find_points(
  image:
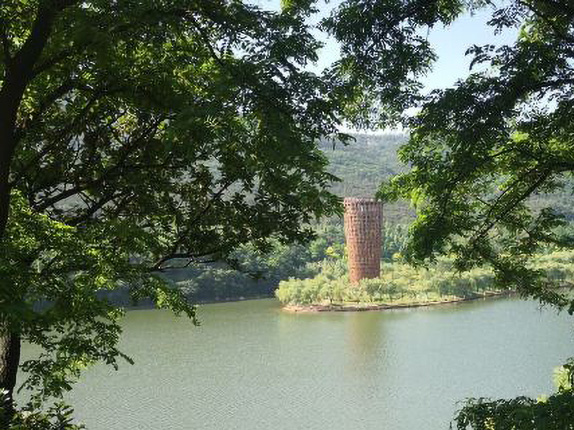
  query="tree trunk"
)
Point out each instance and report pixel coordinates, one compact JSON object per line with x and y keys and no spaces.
{"x":9,"y":361}
{"x":9,"y":342}
{"x":6,"y":155}
{"x":18,"y":74}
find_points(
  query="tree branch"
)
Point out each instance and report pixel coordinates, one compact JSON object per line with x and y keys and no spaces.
{"x":91,"y":210}
{"x":548,"y":21}
{"x":157,"y":265}
{"x":106,"y":175}
{"x":488,"y":225}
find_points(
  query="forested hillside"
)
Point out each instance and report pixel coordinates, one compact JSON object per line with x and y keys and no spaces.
{"x":372,"y":158}
{"x":364,"y":164}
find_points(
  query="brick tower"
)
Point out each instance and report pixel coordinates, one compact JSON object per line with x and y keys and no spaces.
{"x":363,"y":237}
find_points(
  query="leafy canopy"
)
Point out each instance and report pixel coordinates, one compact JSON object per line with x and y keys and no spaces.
{"x":141,"y":132}
{"x":145,"y":133}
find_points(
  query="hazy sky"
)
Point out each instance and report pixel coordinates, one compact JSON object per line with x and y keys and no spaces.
{"x":449,"y":43}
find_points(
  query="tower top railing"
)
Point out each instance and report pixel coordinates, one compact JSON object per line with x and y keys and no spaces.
{"x":360,"y":200}
{"x":361,"y":204}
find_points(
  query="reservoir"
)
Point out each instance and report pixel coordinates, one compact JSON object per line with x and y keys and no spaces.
{"x":252,"y":366}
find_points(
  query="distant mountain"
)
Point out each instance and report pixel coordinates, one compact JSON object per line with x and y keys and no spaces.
{"x":363,"y":164}
{"x":372,"y":158}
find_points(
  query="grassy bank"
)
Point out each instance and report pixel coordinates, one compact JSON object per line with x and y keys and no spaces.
{"x":403,"y":285}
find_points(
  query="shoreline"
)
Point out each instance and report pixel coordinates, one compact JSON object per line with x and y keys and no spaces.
{"x":386,"y":306}
{"x":146,"y":306}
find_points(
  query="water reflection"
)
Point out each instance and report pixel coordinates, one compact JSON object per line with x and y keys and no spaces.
{"x":364,"y":334}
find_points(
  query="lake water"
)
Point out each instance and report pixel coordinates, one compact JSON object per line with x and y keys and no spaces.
{"x":252,"y":366}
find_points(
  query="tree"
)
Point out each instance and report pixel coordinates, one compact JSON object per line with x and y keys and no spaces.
{"x":136,"y":134}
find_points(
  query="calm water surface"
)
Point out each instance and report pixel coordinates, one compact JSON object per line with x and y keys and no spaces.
{"x":252,"y":366}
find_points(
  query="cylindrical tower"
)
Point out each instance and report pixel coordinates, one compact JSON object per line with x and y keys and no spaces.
{"x":363,"y":237}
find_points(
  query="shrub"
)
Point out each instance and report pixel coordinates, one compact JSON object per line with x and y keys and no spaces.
{"x":399,"y":281}
{"x":56,"y":417}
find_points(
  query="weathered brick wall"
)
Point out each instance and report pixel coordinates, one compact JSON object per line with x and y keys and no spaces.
{"x":363,"y":237}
